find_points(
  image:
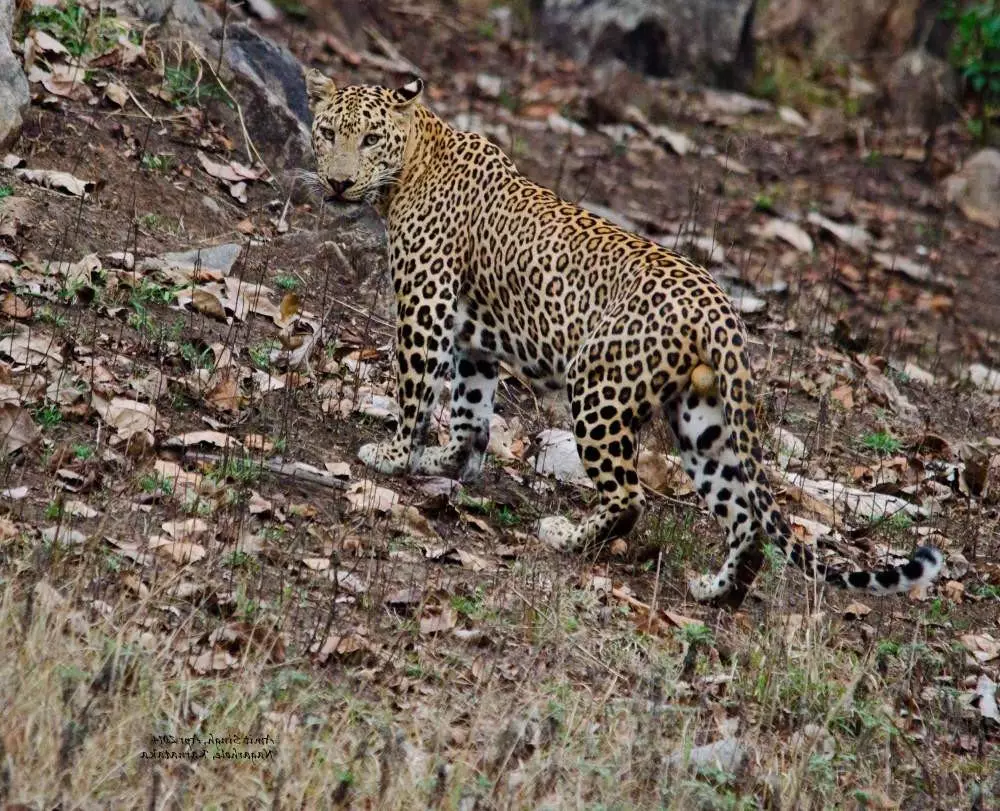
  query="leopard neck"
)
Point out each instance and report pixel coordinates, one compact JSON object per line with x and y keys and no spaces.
{"x":423,"y":139}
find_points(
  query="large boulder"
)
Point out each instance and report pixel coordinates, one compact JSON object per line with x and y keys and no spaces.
{"x":707,"y":40}
{"x":14,"y":97}
{"x":854,"y":29}
{"x":920,"y":90}
{"x":975,"y":188}
{"x":278,"y":116}
{"x":275,"y":107}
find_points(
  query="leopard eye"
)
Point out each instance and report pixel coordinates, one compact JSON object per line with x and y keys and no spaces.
{"x":328,"y":134}
{"x":370,"y":139}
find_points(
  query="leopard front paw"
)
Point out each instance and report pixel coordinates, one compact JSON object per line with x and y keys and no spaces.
{"x":708,"y":587}
{"x":558,"y":532}
{"x":390,"y":458}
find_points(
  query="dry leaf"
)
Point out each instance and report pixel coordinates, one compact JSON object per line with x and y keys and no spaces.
{"x":185,"y":485}
{"x":57,"y":181}
{"x":290,"y":306}
{"x":412,"y":521}
{"x":79,"y":509}
{"x":180,"y":551}
{"x":127,"y":417}
{"x":17,"y":429}
{"x":366,"y":495}
{"x":212,"y":661}
{"x":472,"y":561}
{"x":232,"y":172}
{"x":844,"y":395}
{"x":115,"y":93}
{"x":185,"y":529}
{"x":434,"y":623}
{"x":67,"y":81}
{"x":15,"y":307}
{"x":954,"y":591}
{"x":661,"y":473}
{"x":856,"y":610}
{"x":342,"y":645}
{"x":16,"y":214}
{"x":209,"y":303}
{"x":45,"y":42}
{"x":983,"y":647}
{"x":225,"y":394}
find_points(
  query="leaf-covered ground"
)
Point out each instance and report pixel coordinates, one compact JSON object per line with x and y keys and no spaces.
{"x":204,"y":599}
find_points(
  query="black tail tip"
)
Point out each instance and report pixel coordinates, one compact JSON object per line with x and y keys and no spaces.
{"x":930,"y":556}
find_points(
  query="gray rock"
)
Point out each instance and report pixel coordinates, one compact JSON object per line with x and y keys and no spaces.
{"x":220,"y":258}
{"x":610,"y":215}
{"x":976,"y":188}
{"x":727,"y":754}
{"x":275,"y":106}
{"x":188,"y":13}
{"x":920,"y":91}
{"x":277,"y":115}
{"x":707,"y":40}
{"x":14,"y":97}
{"x":558,"y":457}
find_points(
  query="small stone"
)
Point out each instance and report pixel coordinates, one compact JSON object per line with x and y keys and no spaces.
{"x":489,"y":86}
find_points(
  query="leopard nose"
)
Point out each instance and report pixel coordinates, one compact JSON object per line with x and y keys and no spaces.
{"x":340,"y":186}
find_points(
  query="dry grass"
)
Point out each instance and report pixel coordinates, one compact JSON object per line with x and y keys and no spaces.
{"x":552,"y":696}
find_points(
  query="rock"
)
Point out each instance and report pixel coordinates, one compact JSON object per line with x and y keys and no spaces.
{"x":278,"y":113}
{"x":220,"y":258}
{"x":275,"y":106}
{"x":975,"y":188}
{"x":14,"y":97}
{"x":610,"y":215}
{"x":188,"y":13}
{"x":264,"y":10}
{"x":678,"y":142}
{"x":735,"y":103}
{"x":707,"y":40}
{"x":853,"y":235}
{"x":503,"y":18}
{"x":561,"y":125}
{"x":920,"y":91}
{"x":790,"y":447}
{"x":850,"y":30}
{"x":473,"y":122}
{"x":727,"y":755}
{"x":786,"y":231}
{"x":984,"y":377}
{"x":896,"y":263}
{"x":558,"y":457}
{"x":792,"y":116}
{"x":489,"y":86}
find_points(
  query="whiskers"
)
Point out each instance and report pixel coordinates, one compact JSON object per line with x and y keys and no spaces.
{"x":380,"y":182}
{"x":311,"y":182}
{"x":319,"y":190}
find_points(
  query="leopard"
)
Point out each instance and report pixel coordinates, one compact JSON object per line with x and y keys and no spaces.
{"x":490,"y":268}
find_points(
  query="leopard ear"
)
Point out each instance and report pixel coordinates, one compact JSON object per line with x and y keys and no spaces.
{"x":410,"y":92}
{"x":318,"y":86}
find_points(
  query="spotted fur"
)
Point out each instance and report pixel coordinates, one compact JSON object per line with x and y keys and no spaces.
{"x":488,"y":266}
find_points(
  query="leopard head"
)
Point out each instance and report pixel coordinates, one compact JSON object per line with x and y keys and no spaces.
{"x":359,"y":135}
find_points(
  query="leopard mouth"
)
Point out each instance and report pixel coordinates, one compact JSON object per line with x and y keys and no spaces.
{"x":341,"y":198}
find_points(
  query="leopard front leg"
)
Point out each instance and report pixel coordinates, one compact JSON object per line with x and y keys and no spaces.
{"x":472,"y":392}
{"x":424,"y":358}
